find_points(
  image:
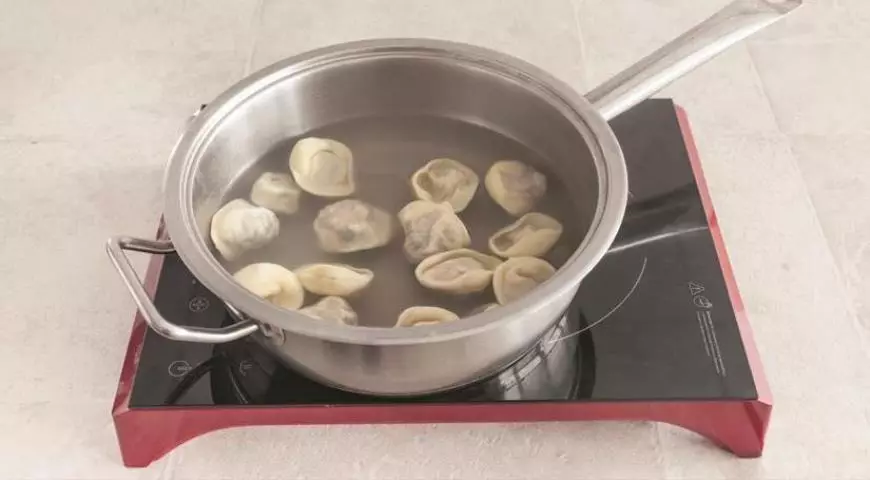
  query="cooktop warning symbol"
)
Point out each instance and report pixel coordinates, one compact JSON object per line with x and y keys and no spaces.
{"x":701,"y":301}
{"x":695,"y":288}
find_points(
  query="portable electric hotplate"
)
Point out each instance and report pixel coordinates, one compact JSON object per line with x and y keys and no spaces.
{"x":670,"y":341}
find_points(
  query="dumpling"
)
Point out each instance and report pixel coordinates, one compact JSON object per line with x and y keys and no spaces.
{"x":333,"y":309}
{"x":334,"y":278}
{"x":277,"y":192}
{"x":445,"y":180}
{"x":274,"y":283}
{"x":420,"y":316}
{"x":518,"y":276}
{"x":431,"y":228}
{"x":515,"y":186}
{"x":533,"y":235}
{"x":239,"y":226}
{"x":457,"y":271}
{"x":323,"y":167}
{"x":351,"y":226}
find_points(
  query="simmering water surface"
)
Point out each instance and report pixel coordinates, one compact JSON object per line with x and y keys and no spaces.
{"x":387,"y":152}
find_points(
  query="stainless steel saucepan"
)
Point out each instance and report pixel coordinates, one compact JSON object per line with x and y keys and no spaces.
{"x":397,"y":102}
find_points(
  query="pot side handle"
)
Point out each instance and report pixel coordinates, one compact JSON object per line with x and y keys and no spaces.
{"x":116,"y":246}
{"x":736,"y":21}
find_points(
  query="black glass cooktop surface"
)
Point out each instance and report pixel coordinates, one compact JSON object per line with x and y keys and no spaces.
{"x":663,"y":325}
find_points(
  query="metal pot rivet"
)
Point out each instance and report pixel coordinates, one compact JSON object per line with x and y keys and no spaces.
{"x":274,"y":334}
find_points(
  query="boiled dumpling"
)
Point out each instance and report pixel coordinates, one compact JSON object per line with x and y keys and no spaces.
{"x":277,"y":192}
{"x":420,"y":316}
{"x":445,"y":180}
{"x":518,"y":276}
{"x":431,"y":228}
{"x":533,"y":235}
{"x":333,"y":309}
{"x":515,"y":186}
{"x":334,"y":278}
{"x":239,"y":226}
{"x":274,"y":283}
{"x":457,"y":271}
{"x":351,"y":226}
{"x":323,"y":167}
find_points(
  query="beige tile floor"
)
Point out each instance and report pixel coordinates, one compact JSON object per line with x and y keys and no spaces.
{"x":93,"y":93}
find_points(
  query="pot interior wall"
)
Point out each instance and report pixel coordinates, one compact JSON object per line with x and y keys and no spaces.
{"x":396,"y":112}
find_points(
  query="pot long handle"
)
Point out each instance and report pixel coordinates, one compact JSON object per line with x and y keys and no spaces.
{"x":116,"y":246}
{"x":736,"y":21}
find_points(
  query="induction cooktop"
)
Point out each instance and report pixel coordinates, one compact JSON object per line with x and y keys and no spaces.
{"x":657,"y":332}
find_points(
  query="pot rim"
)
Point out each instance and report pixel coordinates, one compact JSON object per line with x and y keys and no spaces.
{"x":601,"y":141}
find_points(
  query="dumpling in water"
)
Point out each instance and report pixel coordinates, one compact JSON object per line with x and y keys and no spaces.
{"x":351,"y":226}
{"x":334,"y":278}
{"x":274,"y":283}
{"x":239,"y":226}
{"x":431,"y":228}
{"x":333,"y":309}
{"x":457,"y":271}
{"x":533,"y":235}
{"x":515,"y":186}
{"x":518,"y":276}
{"x":445,"y":180}
{"x":420,"y":316}
{"x":277,"y":192}
{"x":323,"y":167}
